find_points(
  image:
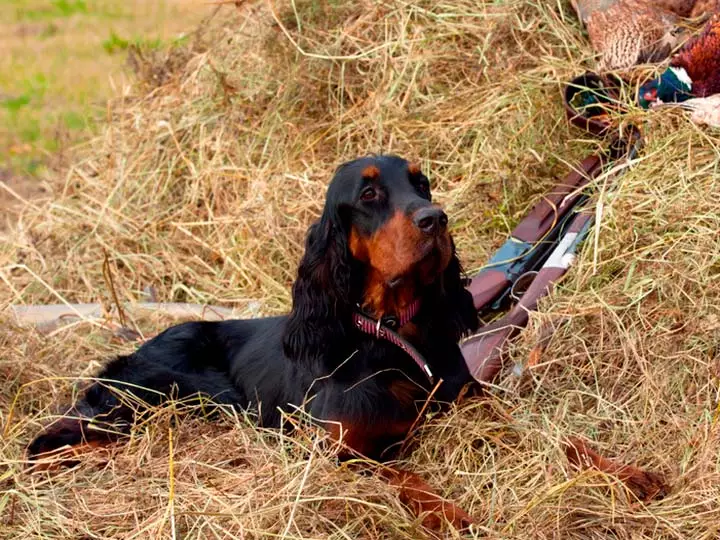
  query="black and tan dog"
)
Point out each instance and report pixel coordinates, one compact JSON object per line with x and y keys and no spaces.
{"x":381,"y":251}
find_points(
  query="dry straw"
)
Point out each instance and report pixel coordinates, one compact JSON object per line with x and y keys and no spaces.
{"x":202,"y":185}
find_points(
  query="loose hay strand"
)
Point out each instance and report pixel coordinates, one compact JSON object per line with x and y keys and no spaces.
{"x":201,"y":188}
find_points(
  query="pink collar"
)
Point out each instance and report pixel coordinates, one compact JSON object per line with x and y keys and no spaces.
{"x":382,"y":329}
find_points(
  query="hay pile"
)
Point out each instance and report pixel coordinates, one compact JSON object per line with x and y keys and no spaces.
{"x":202,"y":186}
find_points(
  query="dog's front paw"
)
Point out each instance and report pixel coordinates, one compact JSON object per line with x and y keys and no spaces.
{"x":645,"y":485}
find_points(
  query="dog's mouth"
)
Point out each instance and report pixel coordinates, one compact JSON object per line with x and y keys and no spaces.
{"x":433,"y":257}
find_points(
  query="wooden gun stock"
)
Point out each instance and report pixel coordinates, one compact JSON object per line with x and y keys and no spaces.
{"x":483,"y":351}
{"x":545,"y":241}
{"x":487,"y":286}
{"x":534,"y":237}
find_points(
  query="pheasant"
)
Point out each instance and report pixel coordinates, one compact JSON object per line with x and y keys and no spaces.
{"x":705,"y":111}
{"x":688,"y":8}
{"x":629,"y":32}
{"x":694,"y":72}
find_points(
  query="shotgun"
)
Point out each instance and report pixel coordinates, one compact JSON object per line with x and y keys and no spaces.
{"x":542,"y":247}
{"x":530,"y":242}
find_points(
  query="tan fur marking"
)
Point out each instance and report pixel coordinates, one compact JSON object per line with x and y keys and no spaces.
{"x":410,"y":332}
{"x":646,"y":485}
{"x":358,"y":246}
{"x":405,"y":392}
{"x":422,"y":499}
{"x":394,"y":251}
{"x":362,"y":437}
{"x":371,"y":172}
{"x":425,"y":502}
{"x":62,"y":457}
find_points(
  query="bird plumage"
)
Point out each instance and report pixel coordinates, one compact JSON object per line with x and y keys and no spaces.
{"x":630,"y":32}
{"x":704,"y":111}
{"x":704,"y":7}
{"x":688,"y":8}
{"x":700,"y":58}
{"x":696,"y":66}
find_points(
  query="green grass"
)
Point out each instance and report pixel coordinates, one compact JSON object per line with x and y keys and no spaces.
{"x":63,"y":59}
{"x":56,"y":8}
{"x":47,"y":10}
{"x":116,"y":44}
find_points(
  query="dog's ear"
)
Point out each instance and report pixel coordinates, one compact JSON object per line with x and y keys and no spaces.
{"x":454,"y":302}
{"x":321,"y":293}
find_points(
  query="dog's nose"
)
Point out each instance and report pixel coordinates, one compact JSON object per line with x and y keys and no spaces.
{"x":430,"y":219}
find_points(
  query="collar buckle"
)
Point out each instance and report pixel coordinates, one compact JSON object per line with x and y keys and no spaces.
{"x":390,"y":321}
{"x":383,"y":329}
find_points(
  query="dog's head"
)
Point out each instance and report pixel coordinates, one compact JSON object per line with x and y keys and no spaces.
{"x":380,"y":244}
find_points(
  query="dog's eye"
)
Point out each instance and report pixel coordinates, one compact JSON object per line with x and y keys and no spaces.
{"x":424,"y":188}
{"x":368,"y":194}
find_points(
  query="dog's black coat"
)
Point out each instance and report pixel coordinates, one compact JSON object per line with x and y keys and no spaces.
{"x":313,"y":356}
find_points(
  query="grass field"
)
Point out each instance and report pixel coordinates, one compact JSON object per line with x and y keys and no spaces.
{"x":63,"y":59}
{"x":201,"y":182}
